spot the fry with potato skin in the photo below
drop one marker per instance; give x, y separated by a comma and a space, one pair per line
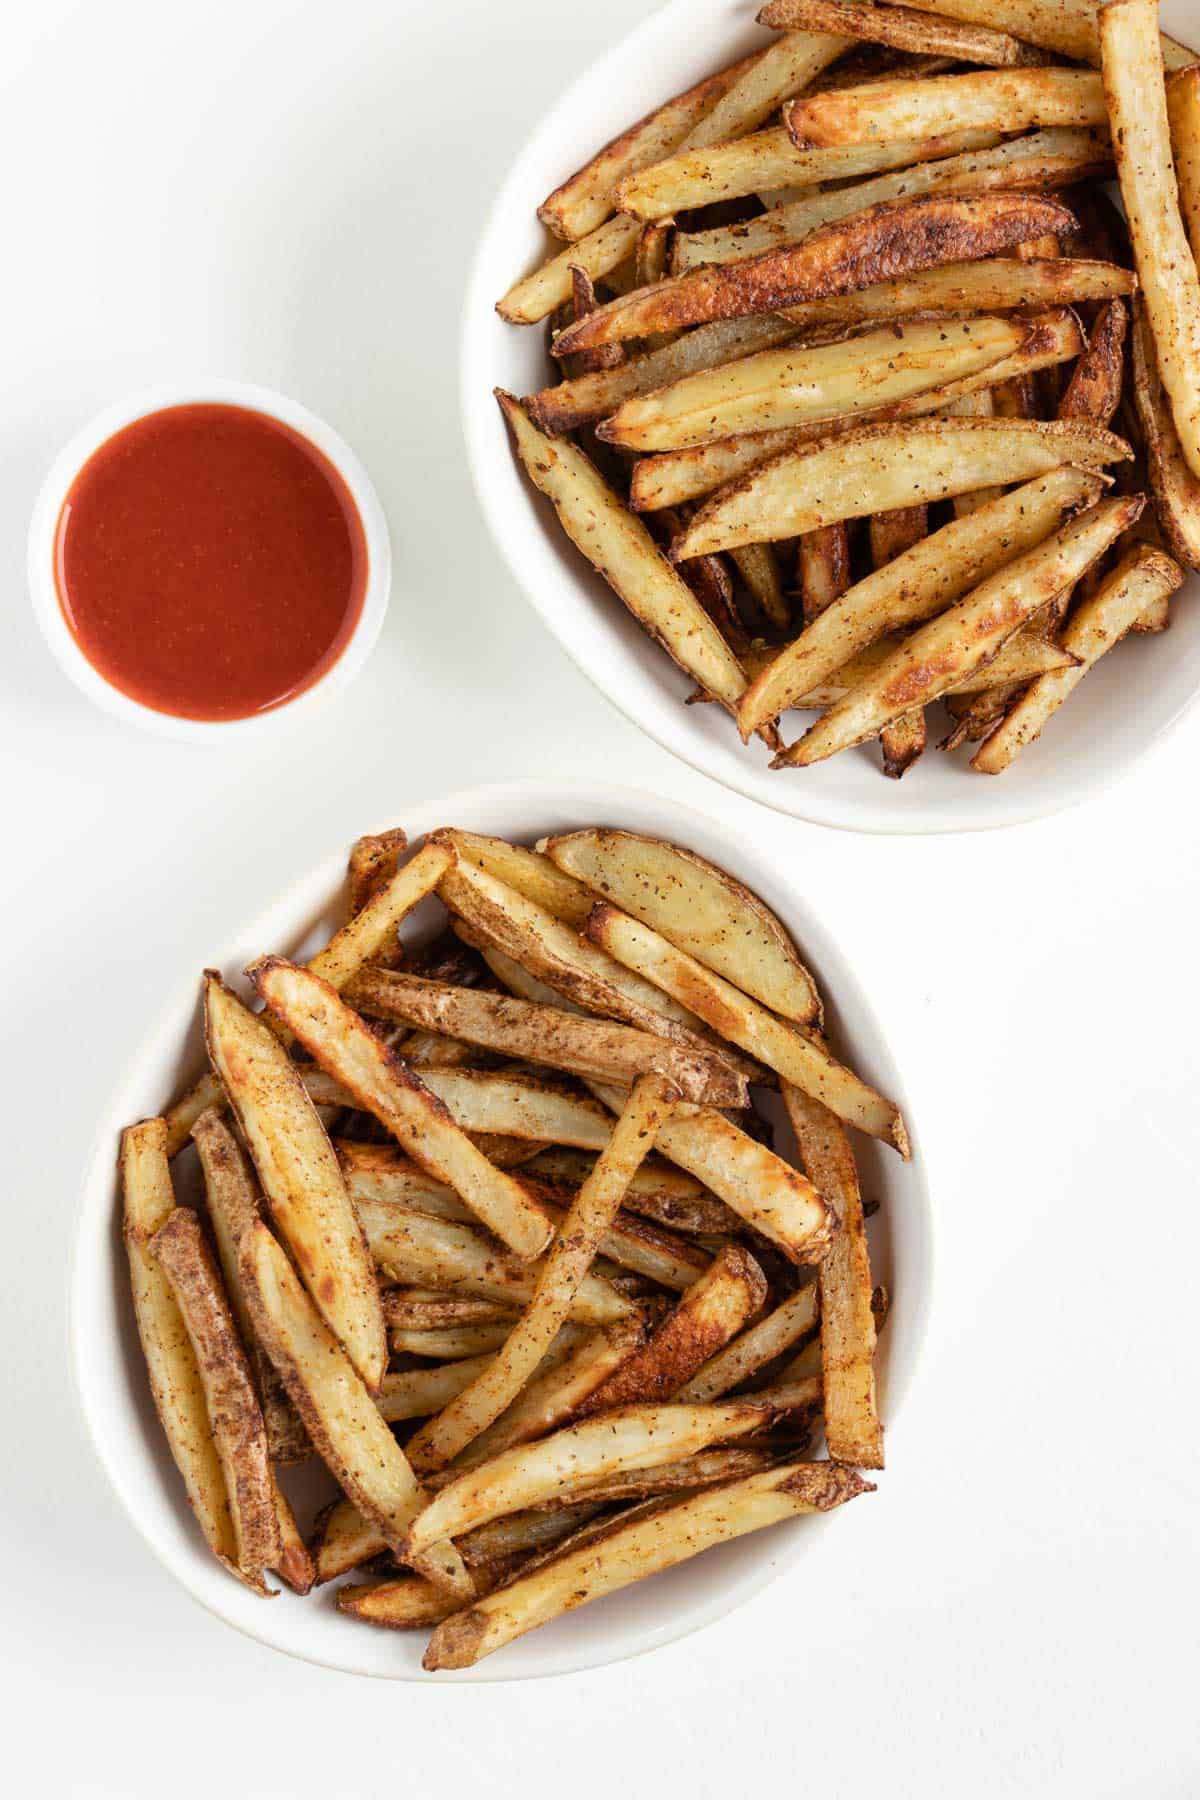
380, 1083
901, 28
558, 1392
532, 875
822, 572
566, 1263
631, 1548
795, 1318
1175, 490
299, 1174
1070, 27
984, 100
1183, 115
234, 1415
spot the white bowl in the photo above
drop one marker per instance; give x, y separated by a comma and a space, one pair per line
43, 529
1124, 705
107, 1362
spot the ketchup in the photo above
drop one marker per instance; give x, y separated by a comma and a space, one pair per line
210, 562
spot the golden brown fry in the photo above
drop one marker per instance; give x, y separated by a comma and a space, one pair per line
984, 100
892, 533
757, 1346
1094, 390
1070, 27
901, 28
822, 570
558, 1392
371, 865
657, 1191
407, 1602
1174, 488
530, 873
451, 1343
427, 1309
1183, 114
756, 565
1026, 654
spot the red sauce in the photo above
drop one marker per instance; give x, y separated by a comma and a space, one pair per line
210, 562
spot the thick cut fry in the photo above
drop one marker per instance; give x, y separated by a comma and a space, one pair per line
619, 545
901, 28
537, 295
530, 873
1043, 161
409, 1601
704, 1469
1175, 490
802, 384
942, 652
699, 907
234, 1415
371, 865
1070, 27
557, 1393
1183, 113
418, 1393
1170, 287
381, 1084
794, 1056
822, 570
713, 1310
345, 1540
916, 586
575, 1246
339, 1414
881, 466
634, 1437
374, 928
881, 243
541, 1034
1094, 390
630, 1548
299, 1175
778, 1331
657, 1191
426, 1309
171, 1364
852, 1426
233, 1206
1026, 654
1144, 576
987, 100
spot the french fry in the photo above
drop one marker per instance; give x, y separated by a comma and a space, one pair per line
881, 466
917, 586
1094, 390
418, 1393
1169, 285
697, 906
757, 1346
407, 1602
822, 570
530, 873
562, 1271
634, 1437
621, 547
756, 565
339, 1414
984, 100
299, 1174
962, 638
1183, 116
802, 384
891, 534
607, 1050
852, 1426
901, 28
425, 1309
371, 865
630, 1548
1070, 27
1143, 576
995, 284
450, 1343
380, 1083
657, 1191
856, 252
1174, 488
233, 1205
344, 1540
1026, 654
234, 1415
171, 1366
794, 1056
557, 1393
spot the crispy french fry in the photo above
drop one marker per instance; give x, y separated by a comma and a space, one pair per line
519, 1028
235, 1417
880, 466
1169, 285
1070, 27
630, 1548
1183, 115
1026, 654
338, 1412
995, 284
407, 1602
1142, 577
530, 873
381, 1084
1094, 390
984, 100
852, 1425
757, 1346
426, 1309
704, 1469
417, 1393
559, 1278
901, 28
697, 906
756, 565
923, 582
891, 534
822, 570
657, 1191
781, 1046
889, 240
557, 1393
344, 1540
371, 865
299, 1175
1174, 488
450, 1343
963, 637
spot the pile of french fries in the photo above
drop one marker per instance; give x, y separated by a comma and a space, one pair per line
494, 1226
840, 334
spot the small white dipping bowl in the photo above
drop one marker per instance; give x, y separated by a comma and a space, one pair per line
44, 526
107, 1363
1126, 703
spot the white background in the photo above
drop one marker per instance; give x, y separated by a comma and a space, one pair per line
289, 193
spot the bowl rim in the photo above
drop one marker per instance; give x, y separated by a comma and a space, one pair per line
93, 1230
1089, 774
128, 410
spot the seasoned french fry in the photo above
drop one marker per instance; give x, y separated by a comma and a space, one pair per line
557, 1393
1070, 27
917, 586
852, 1426
1142, 577
299, 1175
757, 1346
345, 1540
881, 466
530, 873
697, 906
630, 1548
1183, 115
892, 533
756, 565
657, 1191
450, 1343
417, 1393
235, 1417
1094, 390
1169, 285
1175, 490
426, 1309
408, 1601
822, 570
382, 1085
371, 865
901, 28
984, 100
1026, 654
962, 638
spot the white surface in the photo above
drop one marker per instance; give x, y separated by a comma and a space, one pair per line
1014, 1612
107, 1361
1091, 742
